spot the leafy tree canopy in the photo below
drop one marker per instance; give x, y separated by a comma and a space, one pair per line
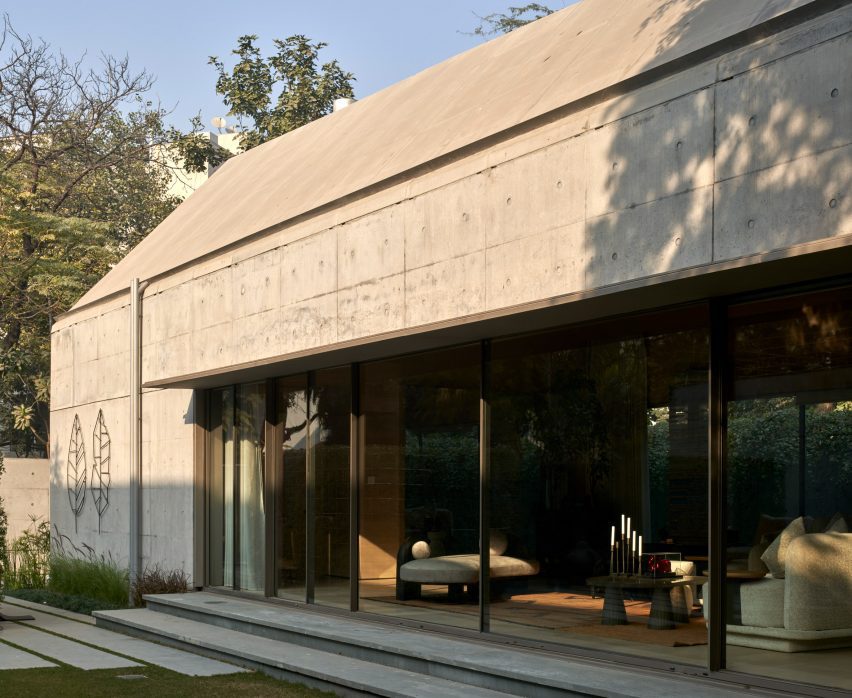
81, 182
504, 22
269, 96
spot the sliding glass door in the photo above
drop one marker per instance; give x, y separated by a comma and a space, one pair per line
789, 485
235, 512
312, 490
598, 470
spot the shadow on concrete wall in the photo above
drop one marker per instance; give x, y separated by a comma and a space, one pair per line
758, 161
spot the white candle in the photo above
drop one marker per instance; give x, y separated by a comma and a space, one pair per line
628, 528
633, 545
640, 547
612, 537
622, 524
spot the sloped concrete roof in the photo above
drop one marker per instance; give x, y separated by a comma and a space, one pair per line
574, 53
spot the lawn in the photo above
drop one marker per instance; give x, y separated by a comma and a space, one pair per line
69, 682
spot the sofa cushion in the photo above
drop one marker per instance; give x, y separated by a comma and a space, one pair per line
774, 556
818, 585
497, 542
755, 563
837, 524
768, 527
762, 603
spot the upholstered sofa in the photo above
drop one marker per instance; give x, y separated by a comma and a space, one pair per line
416, 566
808, 608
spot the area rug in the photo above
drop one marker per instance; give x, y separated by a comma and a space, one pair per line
688, 635
570, 613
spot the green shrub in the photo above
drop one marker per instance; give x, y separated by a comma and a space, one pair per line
26, 561
156, 580
78, 604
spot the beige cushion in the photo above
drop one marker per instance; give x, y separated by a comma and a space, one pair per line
775, 555
420, 550
755, 563
818, 592
837, 524
762, 603
497, 542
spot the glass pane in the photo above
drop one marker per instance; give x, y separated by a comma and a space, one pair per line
330, 412
250, 421
590, 425
789, 584
419, 551
290, 534
220, 489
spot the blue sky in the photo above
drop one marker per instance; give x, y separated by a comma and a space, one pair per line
380, 41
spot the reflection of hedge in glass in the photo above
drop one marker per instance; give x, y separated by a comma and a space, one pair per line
442, 472
763, 461
828, 448
658, 471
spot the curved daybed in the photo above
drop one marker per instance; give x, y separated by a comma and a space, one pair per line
456, 571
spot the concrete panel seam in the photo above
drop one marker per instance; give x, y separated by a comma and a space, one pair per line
783, 163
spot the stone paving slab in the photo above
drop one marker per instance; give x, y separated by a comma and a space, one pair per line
44, 608
61, 649
167, 657
13, 658
584, 677
298, 661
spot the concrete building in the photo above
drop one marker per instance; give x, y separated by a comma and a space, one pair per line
183, 183
586, 278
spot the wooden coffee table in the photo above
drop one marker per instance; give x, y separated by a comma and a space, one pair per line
668, 601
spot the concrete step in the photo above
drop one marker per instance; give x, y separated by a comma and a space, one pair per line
467, 661
343, 675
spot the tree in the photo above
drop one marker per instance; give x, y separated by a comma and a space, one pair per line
80, 184
504, 22
272, 96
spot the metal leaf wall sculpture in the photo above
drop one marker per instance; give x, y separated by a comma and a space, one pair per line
76, 475
100, 467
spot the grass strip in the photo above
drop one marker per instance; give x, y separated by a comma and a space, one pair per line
70, 682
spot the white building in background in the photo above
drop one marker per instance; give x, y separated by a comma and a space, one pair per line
184, 183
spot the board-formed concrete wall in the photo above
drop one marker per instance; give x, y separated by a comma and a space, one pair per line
90, 373
741, 155
25, 489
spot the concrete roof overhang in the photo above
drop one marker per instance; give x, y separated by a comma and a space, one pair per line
822, 262
579, 56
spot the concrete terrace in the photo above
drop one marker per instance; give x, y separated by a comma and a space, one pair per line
360, 657
55, 636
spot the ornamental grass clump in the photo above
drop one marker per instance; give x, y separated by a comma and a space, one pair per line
85, 573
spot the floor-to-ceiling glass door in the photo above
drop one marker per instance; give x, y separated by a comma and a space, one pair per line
598, 486
235, 491
312, 487
789, 488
